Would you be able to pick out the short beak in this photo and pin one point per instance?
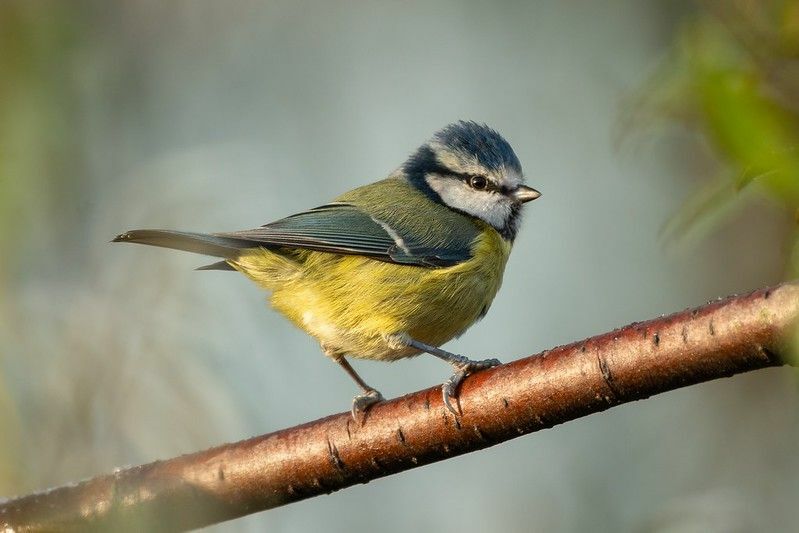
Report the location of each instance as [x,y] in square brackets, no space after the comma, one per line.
[525,194]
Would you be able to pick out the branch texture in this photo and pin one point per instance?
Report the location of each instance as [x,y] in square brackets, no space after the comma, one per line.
[719,339]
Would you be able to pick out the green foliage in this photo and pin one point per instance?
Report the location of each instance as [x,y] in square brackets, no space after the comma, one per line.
[39,129]
[733,78]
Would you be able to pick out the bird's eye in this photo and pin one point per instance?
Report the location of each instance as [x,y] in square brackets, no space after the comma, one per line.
[478,182]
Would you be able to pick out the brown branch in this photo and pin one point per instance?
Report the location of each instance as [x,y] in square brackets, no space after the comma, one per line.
[720,339]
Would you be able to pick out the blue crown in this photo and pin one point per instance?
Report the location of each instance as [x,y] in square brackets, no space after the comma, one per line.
[488,146]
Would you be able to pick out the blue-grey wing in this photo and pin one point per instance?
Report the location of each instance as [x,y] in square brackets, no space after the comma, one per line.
[343,228]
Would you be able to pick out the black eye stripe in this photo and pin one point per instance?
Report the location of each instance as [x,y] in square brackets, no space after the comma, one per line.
[467,179]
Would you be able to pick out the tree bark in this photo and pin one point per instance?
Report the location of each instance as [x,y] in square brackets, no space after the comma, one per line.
[716,340]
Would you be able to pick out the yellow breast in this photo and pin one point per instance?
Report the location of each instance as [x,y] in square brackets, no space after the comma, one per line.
[354,305]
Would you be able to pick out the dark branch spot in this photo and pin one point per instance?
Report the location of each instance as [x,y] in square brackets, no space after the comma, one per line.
[221,474]
[656,338]
[400,436]
[607,375]
[711,328]
[505,402]
[335,458]
[768,355]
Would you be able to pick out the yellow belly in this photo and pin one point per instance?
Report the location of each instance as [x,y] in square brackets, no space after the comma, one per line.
[358,306]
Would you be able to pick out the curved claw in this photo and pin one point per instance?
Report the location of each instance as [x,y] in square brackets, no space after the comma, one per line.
[362,402]
[449,389]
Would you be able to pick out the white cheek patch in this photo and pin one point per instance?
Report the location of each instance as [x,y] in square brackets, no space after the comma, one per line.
[492,208]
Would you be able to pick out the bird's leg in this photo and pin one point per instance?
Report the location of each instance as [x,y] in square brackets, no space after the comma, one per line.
[370,396]
[463,367]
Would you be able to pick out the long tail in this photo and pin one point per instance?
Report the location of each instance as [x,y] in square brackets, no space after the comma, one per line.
[198,243]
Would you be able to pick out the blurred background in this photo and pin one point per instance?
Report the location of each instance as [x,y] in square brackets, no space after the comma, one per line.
[662,134]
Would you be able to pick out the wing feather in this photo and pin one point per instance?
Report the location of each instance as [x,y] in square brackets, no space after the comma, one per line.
[346,229]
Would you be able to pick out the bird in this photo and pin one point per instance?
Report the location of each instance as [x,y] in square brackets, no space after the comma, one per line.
[391,269]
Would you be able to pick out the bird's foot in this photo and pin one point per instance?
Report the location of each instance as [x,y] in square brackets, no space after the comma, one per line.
[449,389]
[362,403]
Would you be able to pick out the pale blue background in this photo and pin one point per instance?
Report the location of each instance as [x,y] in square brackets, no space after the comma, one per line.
[219,116]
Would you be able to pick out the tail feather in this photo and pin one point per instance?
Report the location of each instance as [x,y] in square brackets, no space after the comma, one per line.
[221,265]
[199,243]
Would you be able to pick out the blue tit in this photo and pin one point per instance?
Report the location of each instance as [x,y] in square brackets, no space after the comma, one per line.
[391,269]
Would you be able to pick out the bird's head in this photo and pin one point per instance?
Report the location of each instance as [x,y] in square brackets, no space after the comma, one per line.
[470,168]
